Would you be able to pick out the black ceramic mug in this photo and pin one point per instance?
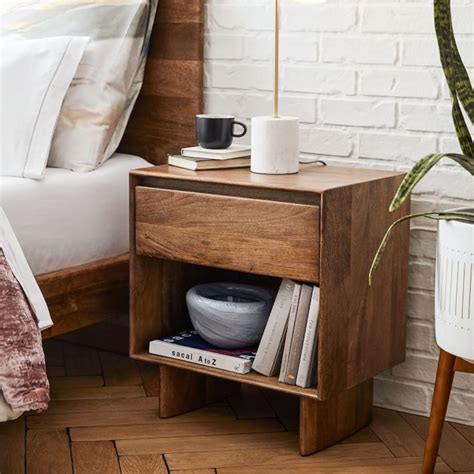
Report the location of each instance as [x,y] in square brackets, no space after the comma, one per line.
[217,131]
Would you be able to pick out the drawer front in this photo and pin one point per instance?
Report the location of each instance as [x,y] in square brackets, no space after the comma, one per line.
[249,235]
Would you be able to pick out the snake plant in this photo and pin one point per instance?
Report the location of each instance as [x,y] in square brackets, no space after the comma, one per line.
[462,98]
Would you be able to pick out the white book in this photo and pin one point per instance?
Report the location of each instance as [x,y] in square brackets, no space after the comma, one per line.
[307,369]
[234,151]
[271,346]
[289,332]
[240,362]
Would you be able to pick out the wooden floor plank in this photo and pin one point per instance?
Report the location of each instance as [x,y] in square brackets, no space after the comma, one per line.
[149,374]
[101,405]
[286,408]
[47,452]
[76,382]
[396,433]
[273,457]
[466,431]
[106,336]
[454,448]
[109,404]
[12,446]
[250,403]
[53,352]
[119,418]
[80,360]
[195,471]
[95,458]
[96,393]
[55,371]
[189,444]
[119,370]
[369,466]
[146,464]
[365,435]
[200,428]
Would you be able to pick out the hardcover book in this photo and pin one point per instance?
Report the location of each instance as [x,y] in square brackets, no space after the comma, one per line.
[289,333]
[270,351]
[198,164]
[307,369]
[298,334]
[234,151]
[191,347]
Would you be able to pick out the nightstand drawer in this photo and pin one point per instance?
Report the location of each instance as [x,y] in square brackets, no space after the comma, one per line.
[250,235]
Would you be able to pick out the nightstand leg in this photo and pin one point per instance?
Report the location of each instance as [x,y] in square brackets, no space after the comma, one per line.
[323,423]
[182,391]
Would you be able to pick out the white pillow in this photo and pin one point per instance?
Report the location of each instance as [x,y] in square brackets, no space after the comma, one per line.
[34,78]
[99,102]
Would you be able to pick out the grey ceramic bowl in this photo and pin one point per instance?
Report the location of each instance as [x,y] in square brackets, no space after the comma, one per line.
[229,315]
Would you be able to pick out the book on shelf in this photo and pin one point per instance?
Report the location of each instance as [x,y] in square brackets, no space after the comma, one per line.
[289,332]
[296,346]
[307,367]
[234,151]
[190,347]
[199,164]
[270,350]
[289,343]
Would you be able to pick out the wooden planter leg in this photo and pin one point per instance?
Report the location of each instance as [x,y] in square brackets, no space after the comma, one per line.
[439,405]
[323,423]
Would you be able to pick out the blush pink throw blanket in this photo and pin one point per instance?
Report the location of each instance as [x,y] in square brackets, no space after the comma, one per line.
[23,377]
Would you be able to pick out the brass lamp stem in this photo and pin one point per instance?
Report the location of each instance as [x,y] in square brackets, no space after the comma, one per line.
[276,59]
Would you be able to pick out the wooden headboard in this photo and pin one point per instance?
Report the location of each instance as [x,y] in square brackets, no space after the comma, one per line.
[172,93]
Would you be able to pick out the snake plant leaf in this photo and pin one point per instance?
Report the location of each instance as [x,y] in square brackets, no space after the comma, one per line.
[462,98]
[464,216]
[456,75]
[419,171]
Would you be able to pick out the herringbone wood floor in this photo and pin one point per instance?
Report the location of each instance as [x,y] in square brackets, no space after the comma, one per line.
[103,419]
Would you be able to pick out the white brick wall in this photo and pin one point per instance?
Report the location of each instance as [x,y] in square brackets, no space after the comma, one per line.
[364,78]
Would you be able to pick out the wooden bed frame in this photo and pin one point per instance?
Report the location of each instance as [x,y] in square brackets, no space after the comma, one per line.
[162,121]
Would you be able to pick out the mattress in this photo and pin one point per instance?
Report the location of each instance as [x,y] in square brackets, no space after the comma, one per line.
[69,218]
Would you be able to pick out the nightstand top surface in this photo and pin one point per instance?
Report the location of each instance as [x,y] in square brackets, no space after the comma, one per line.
[311,178]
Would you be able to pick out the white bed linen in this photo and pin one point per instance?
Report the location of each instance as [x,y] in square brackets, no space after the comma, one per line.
[20,268]
[71,218]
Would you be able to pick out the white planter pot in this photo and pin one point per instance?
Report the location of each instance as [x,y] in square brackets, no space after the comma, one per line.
[454,295]
[275,145]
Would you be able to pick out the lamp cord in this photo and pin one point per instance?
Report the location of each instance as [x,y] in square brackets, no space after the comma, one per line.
[321,162]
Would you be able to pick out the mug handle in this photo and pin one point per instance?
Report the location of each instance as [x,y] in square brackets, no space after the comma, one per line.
[238,135]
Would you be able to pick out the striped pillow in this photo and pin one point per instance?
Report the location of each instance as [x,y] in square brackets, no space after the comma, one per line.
[105,87]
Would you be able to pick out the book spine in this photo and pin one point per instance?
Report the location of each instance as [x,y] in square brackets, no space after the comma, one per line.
[306,371]
[200,357]
[298,335]
[289,333]
[271,345]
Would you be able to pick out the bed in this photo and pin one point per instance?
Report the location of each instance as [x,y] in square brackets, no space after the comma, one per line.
[84,286]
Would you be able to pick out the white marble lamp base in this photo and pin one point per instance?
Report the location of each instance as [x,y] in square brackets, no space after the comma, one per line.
[275,145]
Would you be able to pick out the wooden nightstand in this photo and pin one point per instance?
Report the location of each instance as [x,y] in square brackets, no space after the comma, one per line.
[321,226]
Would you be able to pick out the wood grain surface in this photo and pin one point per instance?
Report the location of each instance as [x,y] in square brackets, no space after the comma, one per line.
[256,236]
[86,294]
[361,327]
[172,93]
[253,432]
[244,223]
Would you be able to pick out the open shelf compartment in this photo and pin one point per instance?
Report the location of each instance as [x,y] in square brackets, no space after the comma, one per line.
[164,304]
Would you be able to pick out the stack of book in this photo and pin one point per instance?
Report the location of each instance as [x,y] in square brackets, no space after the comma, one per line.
[288,345]
[287,348]
[197,158]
